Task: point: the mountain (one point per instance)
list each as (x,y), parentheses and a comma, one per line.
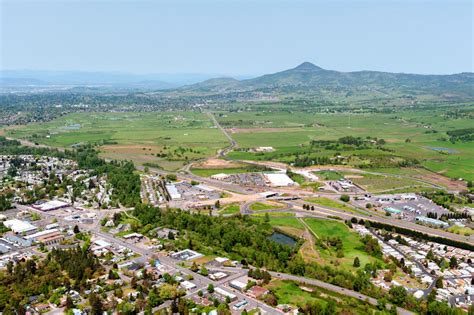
(310,78)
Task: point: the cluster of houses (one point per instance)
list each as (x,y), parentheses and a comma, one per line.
(423,258)
(32,171)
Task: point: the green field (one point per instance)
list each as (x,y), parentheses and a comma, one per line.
(232,208)
(260,206)
(323,201)
(174,136)
(208,172)
(424,129)
(379,183)
(289,292)
(352,245)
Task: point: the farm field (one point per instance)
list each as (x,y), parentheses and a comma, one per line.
(379,183)
(352,245)
(167,139)
(409,134)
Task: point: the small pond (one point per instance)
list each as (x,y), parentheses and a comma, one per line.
(441,149)
(283,239)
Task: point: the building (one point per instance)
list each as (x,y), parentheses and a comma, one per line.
(20,227)
(220,176)
(173,192)
(257,291)
(279,180)
(225,294)
(431,221)
(392,210)
(47,237)
(51,205)
(239,285)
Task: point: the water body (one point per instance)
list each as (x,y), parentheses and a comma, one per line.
(283,239)
(441,149)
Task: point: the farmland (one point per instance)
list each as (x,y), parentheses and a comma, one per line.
(167,139)
(409,135)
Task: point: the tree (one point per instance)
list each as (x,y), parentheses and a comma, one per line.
(69,302)
(96,304)
(397,295)
(210,288)
(204,271)
(170,235)
(439,283)
(453,262)
(217,205)
(356,262)
(345,198)
(76,229)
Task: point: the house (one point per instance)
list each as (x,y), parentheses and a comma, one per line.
(257,291)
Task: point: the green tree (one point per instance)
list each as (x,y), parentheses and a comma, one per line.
(356,262)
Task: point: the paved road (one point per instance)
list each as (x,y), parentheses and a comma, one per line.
(233,143)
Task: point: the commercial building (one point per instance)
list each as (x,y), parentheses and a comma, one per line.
(431,221)
(173,192)
(51,205)
(279,180)
(47,237)
(19,226)
(392,210)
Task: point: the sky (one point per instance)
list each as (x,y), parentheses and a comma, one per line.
(237,37)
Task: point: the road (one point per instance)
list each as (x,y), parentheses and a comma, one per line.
(233,143)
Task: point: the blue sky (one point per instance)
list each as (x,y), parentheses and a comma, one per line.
(236,37)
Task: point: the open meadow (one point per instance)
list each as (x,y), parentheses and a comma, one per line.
(164,139)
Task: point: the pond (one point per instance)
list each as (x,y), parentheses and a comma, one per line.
(440,149)
(283,239)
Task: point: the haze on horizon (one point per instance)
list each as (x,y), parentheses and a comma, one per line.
(237,38)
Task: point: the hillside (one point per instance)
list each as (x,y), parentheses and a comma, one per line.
(308,77)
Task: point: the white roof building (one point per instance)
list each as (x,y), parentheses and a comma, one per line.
(19,226)
(173,192)
(279,180)
(51,205)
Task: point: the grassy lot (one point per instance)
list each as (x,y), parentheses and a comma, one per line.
(323,201)
(232,208)
(274,214)
(260,206)
(461,230)
(352,245)
(174,136)
(289,292)
(380,183)
(329,175)
(208,172)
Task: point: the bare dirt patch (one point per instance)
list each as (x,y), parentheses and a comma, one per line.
(217,163)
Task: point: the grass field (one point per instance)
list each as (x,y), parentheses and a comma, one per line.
(289,292)
(260,206)
(461,230)
(323,201)
(379,183)
(174,136)
(352,246)
(424,129)
(208,172)
(232,208)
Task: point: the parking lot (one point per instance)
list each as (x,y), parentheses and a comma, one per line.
(409,205)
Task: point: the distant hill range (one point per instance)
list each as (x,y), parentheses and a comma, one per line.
(308,77)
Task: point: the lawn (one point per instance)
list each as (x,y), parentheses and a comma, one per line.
(232,208)
(260,206)
(323,201)
(352,245)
